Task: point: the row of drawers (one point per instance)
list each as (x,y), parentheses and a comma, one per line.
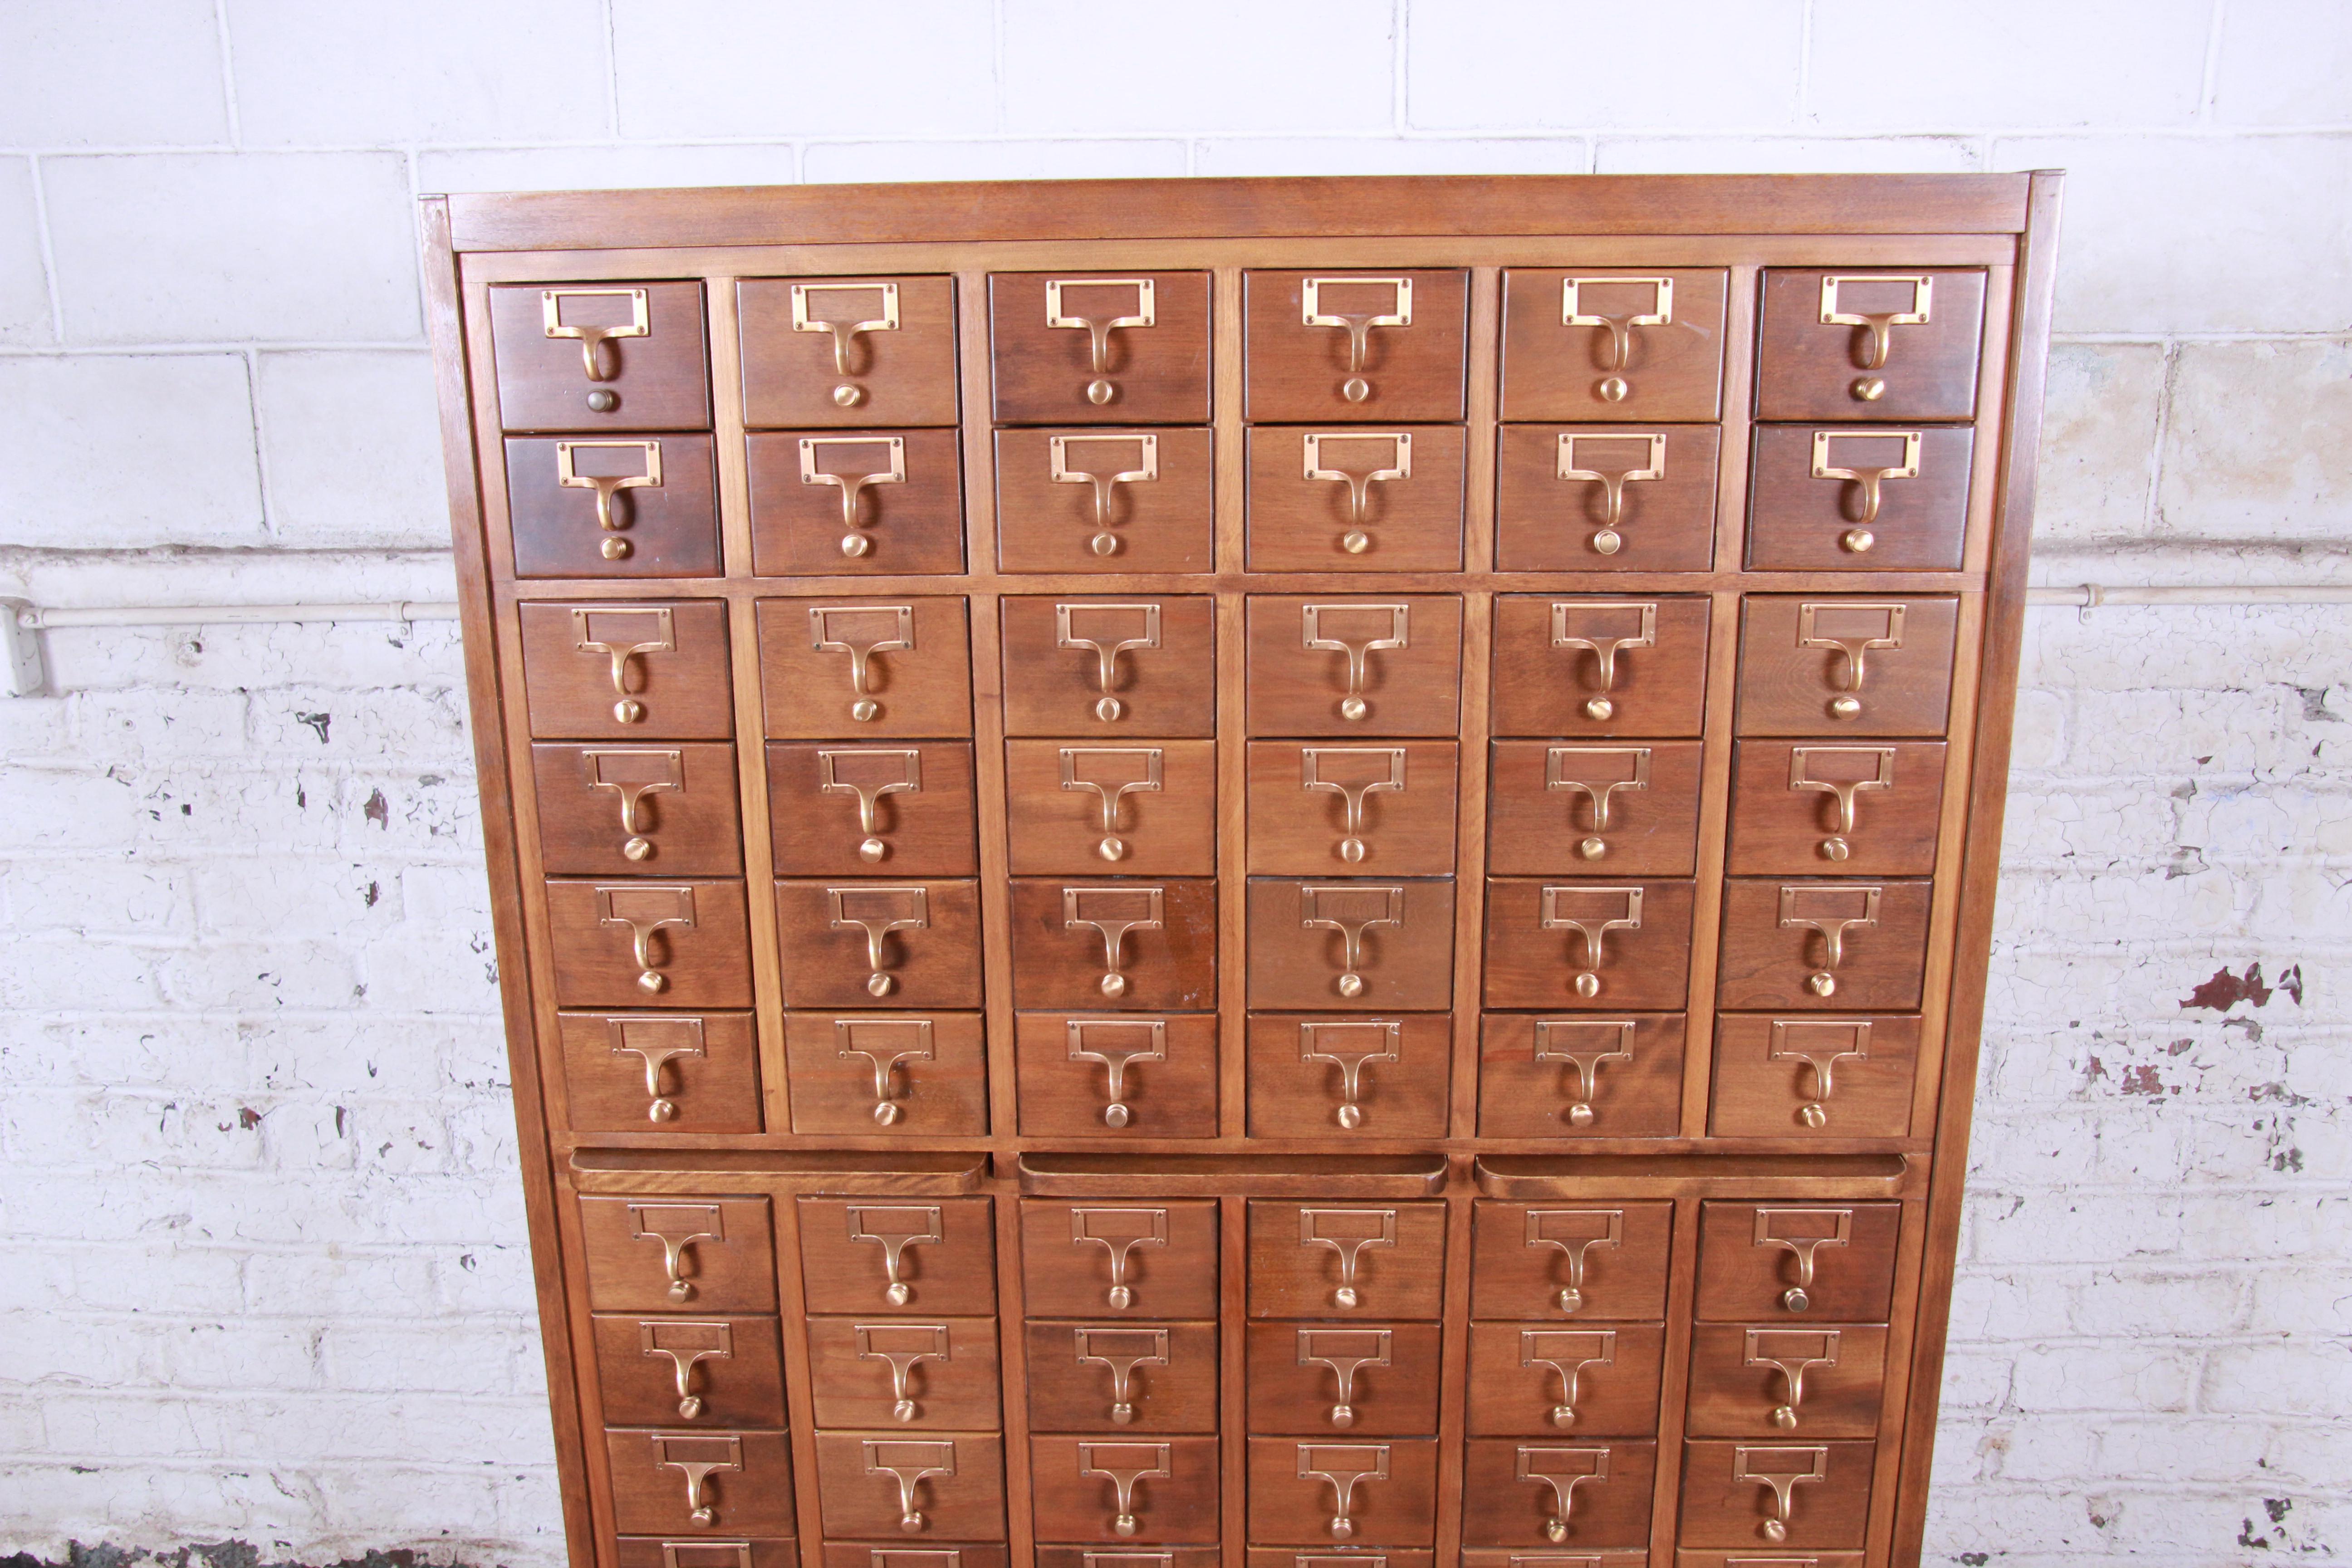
(1117,665)
(1149,808)
(1582,1497)
(1135,348)
(1799,1262)
(1592,497)
(1359,946)
(1843,1076)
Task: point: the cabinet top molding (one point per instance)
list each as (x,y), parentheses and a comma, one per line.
(1322,207)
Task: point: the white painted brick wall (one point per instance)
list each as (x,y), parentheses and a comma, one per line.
(266,1277)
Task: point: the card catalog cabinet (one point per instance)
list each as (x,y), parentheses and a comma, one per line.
(1236,874)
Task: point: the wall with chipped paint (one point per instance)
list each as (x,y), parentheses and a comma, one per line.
(266,1279)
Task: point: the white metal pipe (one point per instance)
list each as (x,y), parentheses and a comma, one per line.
(34,618)
(2091,595)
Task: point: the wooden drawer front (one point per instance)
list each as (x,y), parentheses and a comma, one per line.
(628,671)
(1851,666)
(1107,501)
(1812,365)
(1343,1379)
(1580,1075)
(1114,943)
(1372,499)
(1352,810)
(1102,348)
(1356,345)
(1607,498)
(924,1373)
(1328,1491)
(1090,1076)
(638,943)
(847,351)
(1778,1496)
(644,341)
(852,944)
(1596,667)
(921,1074)
(680,1483)
(1546,1380)
(1780,1381)
(925,1256)
(1569,1491)
(1623,808)
(620,811)
(1338,1557)
(891,1554)
(1108,666)
(865,668)
(856,503)
(612,506)
(1350,1260)
(853,810)
(1587,944)
(1742,1555)
(1140,807)
(1591,1261)
(1870,498)
(1098,1376)
(1160,1555)
(1503,1557)
(1119,1489)
(1810,807)
(939,1485)
(652,1551)
(678,1255)
(1355,944)
(1613,342)
(1796,1262)
(1119,1257)
(1335,666)
(698,1371)
(644,1072)
(1860,944)
(1820,1077)
(1318,1077)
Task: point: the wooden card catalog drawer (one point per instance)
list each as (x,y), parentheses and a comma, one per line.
(1119,1257)
(1120,1376)
(898,1256)
(703,1372)
(1399,821)
(939,1485)
(600,356)
(1100,347)
(1880,342)
(845,504)
(1086,1076)
(1590,1261)
(683,1483)
(924,1373)
(1346,1260)
(612,506)
(1105,501)
(661,1072)
(635,671)
(1588,667)
(1560,1492)
(662,1254)
(1119,1489)
(1108,666)
(1607,498)
(1358,345)
(847,351)
(1613,342)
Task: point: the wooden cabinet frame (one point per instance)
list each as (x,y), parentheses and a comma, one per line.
(2004,225)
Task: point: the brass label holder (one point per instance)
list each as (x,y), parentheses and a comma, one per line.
(638,772)
(1344,1354)
(909,1464)
(1568,616)
(1141,447)
(1583,770)
(647,910)
(1808,767)
(1348,1233)
(1802,906)
(1352,1046)
(896,1231)
(592,632)
(845,326)
(1801,1233)
(1386,777)
(1118,1232)
(1355,640)
(593,337)
(1851,631)
(687,1345)
(1791,1352)
(1874,339)
(1118,1044)
(612,515)
(882,1044)
(1574,1233)
(1131,770)
(1561,1470)
(655,1043)
(1126,1465)
(1098,328)
(877,913)
(1343,1466)
(871,774)
(1586,1045)
(1565,1354)
(1112,912)
(1869,479)
(854,482)
(863,632)
(1612,480)
(1780,1471)
(711,1455)
(1353,909)
(1820,1044)
(1107,642)
(678,1227)
(1575,312)
(1591,913)
(1123,1353)
(903,1347)
(1359,477)
(1356,324)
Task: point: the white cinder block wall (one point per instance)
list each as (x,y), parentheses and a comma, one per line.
(265,1278)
